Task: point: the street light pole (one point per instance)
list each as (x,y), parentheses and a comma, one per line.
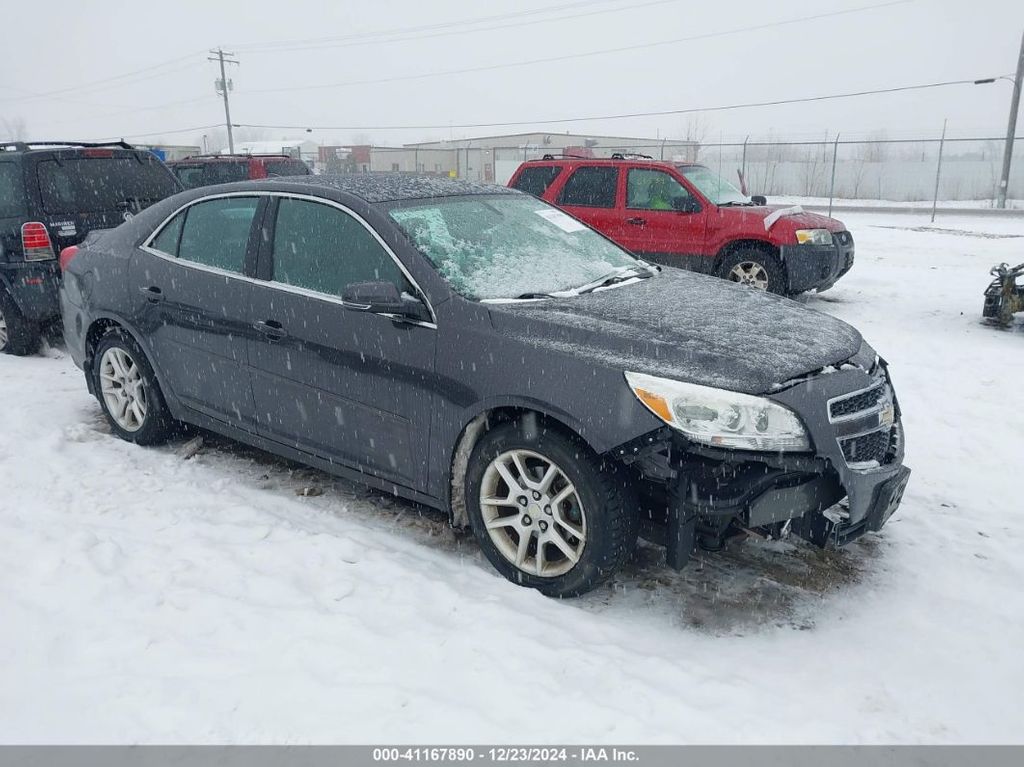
(1011,129)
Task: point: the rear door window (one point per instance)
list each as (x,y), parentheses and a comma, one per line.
(536,179)
(216,233)
(286,168)
(592,187)
(321,248)
(209,173)
(12,190)
(90,184)
(167,240)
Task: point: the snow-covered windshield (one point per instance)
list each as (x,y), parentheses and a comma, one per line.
(711,185)
(507,246)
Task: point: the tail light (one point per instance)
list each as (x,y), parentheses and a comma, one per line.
(35,241)
(66,255)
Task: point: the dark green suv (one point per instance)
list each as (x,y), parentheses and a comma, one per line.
(52,195)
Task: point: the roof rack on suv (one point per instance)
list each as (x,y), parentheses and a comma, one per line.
(625,155)
(563,156)
(24,146)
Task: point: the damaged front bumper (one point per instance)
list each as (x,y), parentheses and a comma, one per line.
(817,267)
(850,484)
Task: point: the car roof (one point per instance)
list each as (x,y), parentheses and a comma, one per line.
(387,187)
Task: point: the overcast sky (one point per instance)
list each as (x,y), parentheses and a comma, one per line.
(91,55)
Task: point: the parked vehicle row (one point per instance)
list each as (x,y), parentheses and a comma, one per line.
(206,170)
(478,350)
(685,215)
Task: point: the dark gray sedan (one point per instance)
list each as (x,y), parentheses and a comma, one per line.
(477,350)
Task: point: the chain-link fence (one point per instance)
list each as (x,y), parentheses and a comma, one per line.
(900,170)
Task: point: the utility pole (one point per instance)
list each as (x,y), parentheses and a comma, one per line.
(1011,128)
(223,85)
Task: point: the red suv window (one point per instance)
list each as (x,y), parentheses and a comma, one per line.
(536,179)
(591,187)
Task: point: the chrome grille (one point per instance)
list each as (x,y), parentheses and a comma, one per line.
(867,433)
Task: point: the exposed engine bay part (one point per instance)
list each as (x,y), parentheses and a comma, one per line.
(1004,297)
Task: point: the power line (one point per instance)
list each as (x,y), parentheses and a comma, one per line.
(568,57)
(423,27)
(160,132)
(658,113)
(91,86)
(451,32)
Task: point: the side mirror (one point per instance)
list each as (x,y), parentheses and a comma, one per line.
(758,199)
(383,298)
(685,205)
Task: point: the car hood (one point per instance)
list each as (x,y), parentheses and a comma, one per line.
(754,217)
(688,327)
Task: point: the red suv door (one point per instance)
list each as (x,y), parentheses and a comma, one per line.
(591,193)
(662,220)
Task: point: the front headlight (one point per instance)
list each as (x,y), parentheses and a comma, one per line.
(720,418)
(814,236)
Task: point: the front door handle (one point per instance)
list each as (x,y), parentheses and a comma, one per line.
(636,221)
(272,329)
(152,293)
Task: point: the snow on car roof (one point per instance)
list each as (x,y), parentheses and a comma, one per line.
(388,187)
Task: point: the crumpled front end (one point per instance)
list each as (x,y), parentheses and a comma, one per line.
(849,484)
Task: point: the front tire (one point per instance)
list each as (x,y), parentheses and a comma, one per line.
(756,268)
(128,391)
(548,513)
(18,335)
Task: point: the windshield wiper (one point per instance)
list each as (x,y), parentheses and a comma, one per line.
(619,275)
(535,295)
(734,202)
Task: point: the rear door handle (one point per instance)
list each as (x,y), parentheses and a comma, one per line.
(270,328)
(152,294)
(636,221)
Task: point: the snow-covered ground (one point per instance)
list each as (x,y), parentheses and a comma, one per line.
(145,597)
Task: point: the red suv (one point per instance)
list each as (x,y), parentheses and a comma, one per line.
(207,170)
(685,215)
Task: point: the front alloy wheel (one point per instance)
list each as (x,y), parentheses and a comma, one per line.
(548,512)
(533,513)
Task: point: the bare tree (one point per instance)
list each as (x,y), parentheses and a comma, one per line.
(13,129)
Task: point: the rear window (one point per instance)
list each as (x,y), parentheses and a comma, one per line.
(535,180)
(209,173)
(286,168)
(86,184)
(591,187)
(12,191)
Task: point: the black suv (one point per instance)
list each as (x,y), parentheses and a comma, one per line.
(52,195)
(475,349)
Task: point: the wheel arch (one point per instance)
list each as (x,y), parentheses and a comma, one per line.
(98,327)
(478,422)
(753,243)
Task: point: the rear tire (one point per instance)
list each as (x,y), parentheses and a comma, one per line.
(567,523)
(18,335)
(128,391)
(754,267)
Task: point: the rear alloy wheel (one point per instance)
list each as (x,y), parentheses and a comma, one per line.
(755,268)
(18,335)
(128,391)
(548,513)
